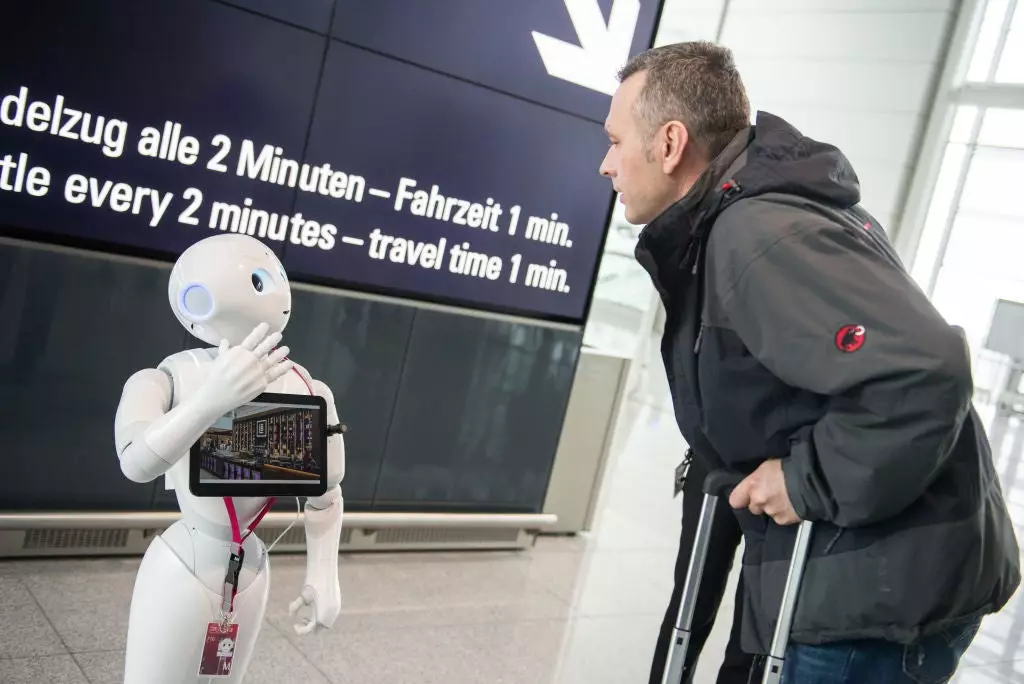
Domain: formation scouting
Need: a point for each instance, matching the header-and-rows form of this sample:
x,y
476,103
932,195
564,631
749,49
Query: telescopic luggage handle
x,y
717,484
780,640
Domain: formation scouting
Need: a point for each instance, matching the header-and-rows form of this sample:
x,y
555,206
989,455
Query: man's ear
x,y
673,139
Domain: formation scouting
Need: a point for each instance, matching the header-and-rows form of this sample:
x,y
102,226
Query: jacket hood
x,y
771,156
781,159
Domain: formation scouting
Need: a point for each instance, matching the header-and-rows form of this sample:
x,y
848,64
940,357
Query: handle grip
x,y
721,482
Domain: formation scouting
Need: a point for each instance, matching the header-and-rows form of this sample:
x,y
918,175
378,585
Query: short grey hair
x,y
696,83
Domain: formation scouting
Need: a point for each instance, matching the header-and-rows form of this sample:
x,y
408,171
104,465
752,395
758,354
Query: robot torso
x,y
187,370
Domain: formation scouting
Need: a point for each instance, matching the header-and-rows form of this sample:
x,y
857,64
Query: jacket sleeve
x,y
825,311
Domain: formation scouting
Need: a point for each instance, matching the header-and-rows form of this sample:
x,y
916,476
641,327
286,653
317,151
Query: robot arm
x,y
150,436
323,520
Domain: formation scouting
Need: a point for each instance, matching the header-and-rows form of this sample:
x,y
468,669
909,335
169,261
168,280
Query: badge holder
x,y
682,471
222,636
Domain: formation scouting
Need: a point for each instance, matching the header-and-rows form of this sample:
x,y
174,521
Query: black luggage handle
x,y
722,482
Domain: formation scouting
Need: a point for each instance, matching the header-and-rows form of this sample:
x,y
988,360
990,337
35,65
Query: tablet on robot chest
x,y
275,445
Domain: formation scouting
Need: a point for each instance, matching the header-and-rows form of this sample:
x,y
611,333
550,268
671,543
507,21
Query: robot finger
x,y
257,334
277,356
264,347
275,372
296,605
223,348
306,627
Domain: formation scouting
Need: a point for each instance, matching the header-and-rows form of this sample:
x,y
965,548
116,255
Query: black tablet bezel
x,y
243,491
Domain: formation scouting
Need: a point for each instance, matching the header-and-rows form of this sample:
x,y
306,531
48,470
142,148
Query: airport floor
x,y
568,611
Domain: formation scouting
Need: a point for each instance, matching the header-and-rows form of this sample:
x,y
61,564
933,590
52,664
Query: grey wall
x,y
859,74
446,412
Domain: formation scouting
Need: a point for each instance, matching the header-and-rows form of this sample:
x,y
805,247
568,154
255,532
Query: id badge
x,y
682,471
218,650
679,480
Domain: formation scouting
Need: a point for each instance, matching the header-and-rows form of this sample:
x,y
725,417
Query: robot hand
x,y
325,609
241,373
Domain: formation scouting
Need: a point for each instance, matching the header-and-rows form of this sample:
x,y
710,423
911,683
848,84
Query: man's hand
x,y
764,493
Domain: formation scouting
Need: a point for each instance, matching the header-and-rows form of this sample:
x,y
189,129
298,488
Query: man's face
x,y
632,162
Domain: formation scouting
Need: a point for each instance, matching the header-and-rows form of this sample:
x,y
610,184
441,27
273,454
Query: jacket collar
x,y
665,244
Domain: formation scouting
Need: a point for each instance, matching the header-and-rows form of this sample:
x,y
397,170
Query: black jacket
x,y
793,331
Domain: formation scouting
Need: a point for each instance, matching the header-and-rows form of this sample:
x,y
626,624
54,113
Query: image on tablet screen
x,y
261,442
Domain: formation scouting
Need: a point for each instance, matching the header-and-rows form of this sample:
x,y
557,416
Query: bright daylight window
x,y
971,251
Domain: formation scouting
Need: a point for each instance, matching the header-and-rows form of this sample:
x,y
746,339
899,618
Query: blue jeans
x,y
932,660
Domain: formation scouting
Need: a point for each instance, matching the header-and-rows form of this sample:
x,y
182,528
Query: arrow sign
x,y
602,51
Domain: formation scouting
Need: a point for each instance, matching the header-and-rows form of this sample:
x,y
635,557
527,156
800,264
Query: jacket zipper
x,y
700,304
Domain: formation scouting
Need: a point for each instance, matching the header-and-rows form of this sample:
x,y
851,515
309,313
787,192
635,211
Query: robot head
x,y
225,647
225,285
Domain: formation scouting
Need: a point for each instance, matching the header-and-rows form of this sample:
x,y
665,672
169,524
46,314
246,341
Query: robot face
x,y
225,648
225,285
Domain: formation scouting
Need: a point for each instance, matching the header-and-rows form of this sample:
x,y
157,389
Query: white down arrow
x,y
602,51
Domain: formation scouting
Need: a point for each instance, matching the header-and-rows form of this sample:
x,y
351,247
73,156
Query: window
x,y
1002,128
1011,62
963,124
989,186
971,248
933,237
987,42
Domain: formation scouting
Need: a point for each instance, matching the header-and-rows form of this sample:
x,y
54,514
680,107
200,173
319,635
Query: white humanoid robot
x,y
230,291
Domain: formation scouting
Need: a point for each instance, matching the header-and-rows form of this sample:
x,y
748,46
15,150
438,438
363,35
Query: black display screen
x,y
421,150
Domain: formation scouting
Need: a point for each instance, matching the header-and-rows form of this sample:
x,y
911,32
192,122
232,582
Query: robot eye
x,y
262,281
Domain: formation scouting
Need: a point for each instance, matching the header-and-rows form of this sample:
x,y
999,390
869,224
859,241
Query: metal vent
x,y
445,535
75,539
118,533
296,535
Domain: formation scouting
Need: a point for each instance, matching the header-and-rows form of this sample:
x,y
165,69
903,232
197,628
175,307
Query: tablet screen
x,y
265,447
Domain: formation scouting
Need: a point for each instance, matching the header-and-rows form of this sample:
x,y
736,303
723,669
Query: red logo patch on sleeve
x,y
850,338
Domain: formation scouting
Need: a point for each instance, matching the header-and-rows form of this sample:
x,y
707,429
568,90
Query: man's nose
x,y
606,169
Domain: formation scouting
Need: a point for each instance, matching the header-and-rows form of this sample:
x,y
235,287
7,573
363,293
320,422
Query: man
x,y
801,354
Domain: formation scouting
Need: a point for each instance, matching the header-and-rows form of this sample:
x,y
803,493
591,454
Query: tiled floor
x,y
570,611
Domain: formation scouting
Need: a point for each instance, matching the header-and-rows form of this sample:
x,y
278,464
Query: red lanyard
x,y
237,539
236,532
237,553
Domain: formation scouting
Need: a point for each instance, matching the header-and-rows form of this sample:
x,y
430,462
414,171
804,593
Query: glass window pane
x,y
985,243
981,265
1003,127
992,173
1011,63
967,297
927,255
988,40
963,124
